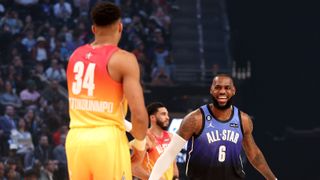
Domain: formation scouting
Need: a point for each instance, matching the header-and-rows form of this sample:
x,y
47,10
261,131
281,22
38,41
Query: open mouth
x,y
222,99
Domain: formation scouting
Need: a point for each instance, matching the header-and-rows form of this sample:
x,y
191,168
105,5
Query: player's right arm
x,y
123,67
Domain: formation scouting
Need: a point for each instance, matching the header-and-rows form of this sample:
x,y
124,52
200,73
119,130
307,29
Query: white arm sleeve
x,y
127,125
167,157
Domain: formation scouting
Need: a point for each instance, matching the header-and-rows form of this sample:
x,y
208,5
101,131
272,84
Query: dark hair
x,y
222,74
153,107
105,13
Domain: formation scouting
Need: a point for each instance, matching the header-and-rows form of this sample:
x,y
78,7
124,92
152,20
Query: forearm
x,y
167,157
139,127
260,163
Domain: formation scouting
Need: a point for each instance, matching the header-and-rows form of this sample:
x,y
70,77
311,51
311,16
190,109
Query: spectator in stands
x,y
22,138
59,154
56,72
161,54
61,52
18,64
47,173
52,38
30,174
7,123
12,20
46,10
9,97
62,10
144,62
29,41
30,96
40,51
11,171
56,136
161,78
51,91
33,123
28,24
43,151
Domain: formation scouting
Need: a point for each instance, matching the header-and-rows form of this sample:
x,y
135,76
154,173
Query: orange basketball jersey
x,y
94,98
153,153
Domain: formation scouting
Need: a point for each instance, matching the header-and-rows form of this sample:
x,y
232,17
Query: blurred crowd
x,y
36,39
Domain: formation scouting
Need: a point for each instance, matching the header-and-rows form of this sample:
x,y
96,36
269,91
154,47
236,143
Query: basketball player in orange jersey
x,y
102,78
158,139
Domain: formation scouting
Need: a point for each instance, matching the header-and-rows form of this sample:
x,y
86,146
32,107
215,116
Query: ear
x,y
152,119
93,29
120,27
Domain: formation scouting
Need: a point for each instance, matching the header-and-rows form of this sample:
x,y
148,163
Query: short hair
x,y
153,107
105,14
224,75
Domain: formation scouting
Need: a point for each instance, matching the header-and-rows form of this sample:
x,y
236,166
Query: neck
x,y
157,131
222,114
104,40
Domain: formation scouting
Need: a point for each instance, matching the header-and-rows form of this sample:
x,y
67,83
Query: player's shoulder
x,y
246,122
120,53
195,114
244,116
79,50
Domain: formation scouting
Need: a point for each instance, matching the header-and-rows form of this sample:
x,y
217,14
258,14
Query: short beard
x,y
161,125
218,106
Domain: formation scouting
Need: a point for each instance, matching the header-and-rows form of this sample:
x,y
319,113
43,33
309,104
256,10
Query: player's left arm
x,y
253,152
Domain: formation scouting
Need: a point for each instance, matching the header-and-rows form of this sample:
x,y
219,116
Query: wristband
x,y
127,125
139,144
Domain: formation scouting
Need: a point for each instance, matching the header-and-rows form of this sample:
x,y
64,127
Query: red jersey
x,y
94,98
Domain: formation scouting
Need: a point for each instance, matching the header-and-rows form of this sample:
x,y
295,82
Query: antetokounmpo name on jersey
x,y
91,105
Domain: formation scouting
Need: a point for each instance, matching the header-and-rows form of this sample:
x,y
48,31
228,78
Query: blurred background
x,y
271,48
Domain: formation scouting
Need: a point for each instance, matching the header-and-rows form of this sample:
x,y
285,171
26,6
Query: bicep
x,y
131,84
248,142
189,125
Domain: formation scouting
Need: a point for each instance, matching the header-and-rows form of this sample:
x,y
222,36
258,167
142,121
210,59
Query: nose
x,y
222,91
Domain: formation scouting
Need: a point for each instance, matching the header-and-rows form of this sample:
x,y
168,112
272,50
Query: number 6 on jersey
x,y
87,82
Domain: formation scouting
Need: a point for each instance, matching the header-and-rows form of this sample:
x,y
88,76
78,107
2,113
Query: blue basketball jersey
x,y
216,152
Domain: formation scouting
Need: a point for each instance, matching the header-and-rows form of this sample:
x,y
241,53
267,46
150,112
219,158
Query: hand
x,y
136,164
137,156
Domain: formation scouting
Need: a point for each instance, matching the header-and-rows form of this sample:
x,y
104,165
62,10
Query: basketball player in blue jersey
x,y
216,135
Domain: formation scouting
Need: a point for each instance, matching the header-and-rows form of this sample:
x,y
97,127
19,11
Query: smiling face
x,y
222,90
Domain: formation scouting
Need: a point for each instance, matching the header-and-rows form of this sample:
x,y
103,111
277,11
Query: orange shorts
x,y
98,153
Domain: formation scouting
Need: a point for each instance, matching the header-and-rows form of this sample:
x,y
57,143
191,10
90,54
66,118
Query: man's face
x,y
44,141
222,90
162,118
10,110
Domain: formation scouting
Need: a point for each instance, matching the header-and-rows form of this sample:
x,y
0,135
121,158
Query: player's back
x,y
95,99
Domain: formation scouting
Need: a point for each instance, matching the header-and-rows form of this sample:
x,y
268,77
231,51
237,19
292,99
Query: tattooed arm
x,y
254,154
